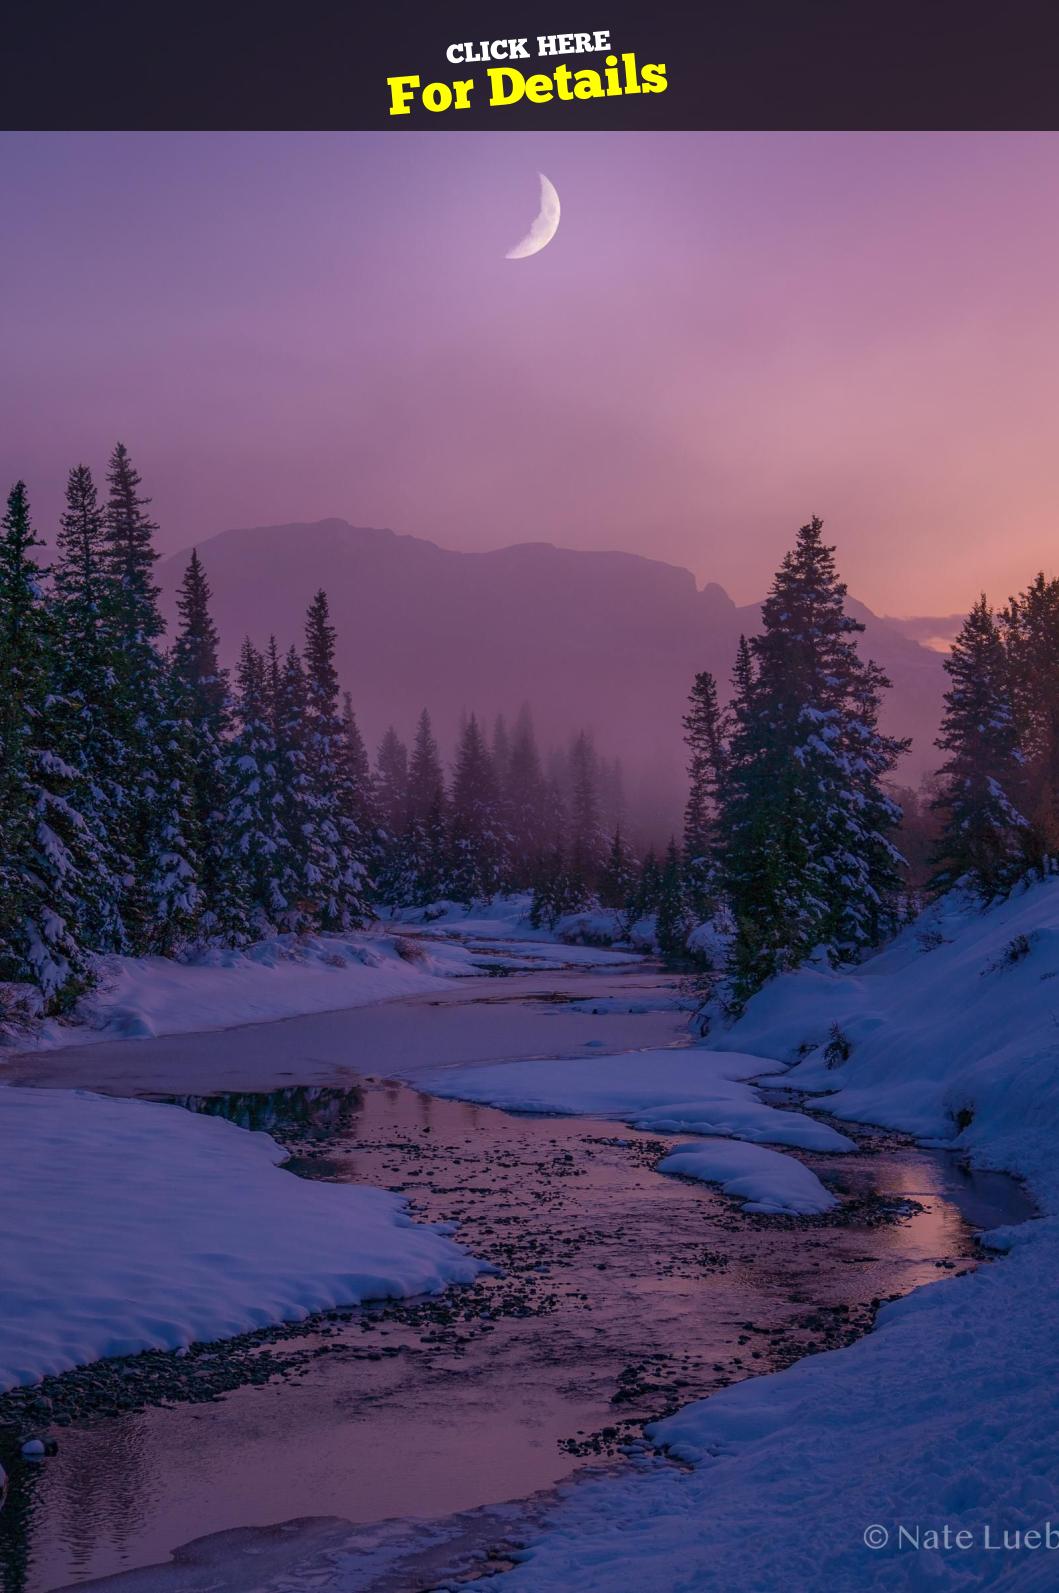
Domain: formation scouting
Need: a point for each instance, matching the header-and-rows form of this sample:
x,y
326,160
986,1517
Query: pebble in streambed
x,y
568,1217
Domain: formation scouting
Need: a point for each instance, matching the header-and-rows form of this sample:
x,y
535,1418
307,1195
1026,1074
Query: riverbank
x,y
900,1462
947,1408
619,1295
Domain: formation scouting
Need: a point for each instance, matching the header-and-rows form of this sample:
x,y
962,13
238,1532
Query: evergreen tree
x,y
391,783
359,772
617,881
672,921
984,836
1029,630
704,738
203,698
391,796
426,833
46,849
170,897
648,891
808,860
477,844
333,854
257,836
287,695
558,889
150,808
84,683
131,553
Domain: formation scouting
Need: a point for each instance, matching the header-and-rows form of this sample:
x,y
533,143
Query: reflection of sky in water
x,y
435,1431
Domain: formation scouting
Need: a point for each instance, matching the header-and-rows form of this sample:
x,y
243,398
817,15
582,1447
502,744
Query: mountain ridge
x,y
608,641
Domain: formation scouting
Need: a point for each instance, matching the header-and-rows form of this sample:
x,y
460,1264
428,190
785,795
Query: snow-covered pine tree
x,y
1029,630
617,880
557,888
362,785
335,872
204,699
648,887
131,555
476,840
362,797
672,919
85,675
48,854
285,685
984,836
704,736
170,890
391,799
426,848
808,860
256,833
155,803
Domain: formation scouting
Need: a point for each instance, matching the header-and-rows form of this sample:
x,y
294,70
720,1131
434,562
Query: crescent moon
x,y
544,226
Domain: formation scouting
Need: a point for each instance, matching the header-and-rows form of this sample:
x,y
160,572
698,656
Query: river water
x,y
619,1294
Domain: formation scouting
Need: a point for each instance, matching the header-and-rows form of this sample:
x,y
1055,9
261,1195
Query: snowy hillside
x,y
836,1472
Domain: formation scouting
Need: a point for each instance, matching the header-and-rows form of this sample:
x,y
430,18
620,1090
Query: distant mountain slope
x,y
608,641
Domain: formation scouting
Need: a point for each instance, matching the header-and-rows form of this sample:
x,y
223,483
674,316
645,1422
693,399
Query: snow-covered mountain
x,y
608,641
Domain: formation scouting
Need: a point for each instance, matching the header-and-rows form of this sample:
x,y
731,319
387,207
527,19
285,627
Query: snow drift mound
x,y
131,1226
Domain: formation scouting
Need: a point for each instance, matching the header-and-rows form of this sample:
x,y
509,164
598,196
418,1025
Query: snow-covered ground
x,y
672,1092
129,1226
763,1179
132,1225
902,1461
289,976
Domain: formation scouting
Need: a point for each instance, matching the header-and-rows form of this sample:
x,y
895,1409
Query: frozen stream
x,y
622,1295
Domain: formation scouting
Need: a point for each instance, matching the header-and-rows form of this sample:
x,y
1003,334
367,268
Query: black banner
x,y
827,64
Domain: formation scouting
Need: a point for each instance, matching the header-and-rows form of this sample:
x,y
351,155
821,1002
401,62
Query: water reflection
x,y
311,1111
623,1293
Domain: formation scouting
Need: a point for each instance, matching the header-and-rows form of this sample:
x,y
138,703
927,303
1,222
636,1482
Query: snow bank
x,y
946,1418
763,1179
284,977
580,940
131,1226
673,1092
953,1031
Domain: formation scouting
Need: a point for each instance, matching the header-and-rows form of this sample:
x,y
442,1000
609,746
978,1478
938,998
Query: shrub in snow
x,y
407,949
593,927
839,1047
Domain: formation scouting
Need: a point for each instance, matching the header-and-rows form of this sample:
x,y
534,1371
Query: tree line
x,y
149,803
792,826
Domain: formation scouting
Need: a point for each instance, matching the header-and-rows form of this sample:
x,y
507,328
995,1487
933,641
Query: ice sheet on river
x,y
765,1180
129,1225
671,1092
690,1090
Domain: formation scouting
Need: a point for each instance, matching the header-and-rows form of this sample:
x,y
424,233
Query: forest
x,y
152,804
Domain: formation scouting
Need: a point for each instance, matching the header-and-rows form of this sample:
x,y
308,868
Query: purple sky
x,y
728,333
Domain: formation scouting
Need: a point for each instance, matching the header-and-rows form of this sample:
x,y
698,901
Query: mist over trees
x,y
152,803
